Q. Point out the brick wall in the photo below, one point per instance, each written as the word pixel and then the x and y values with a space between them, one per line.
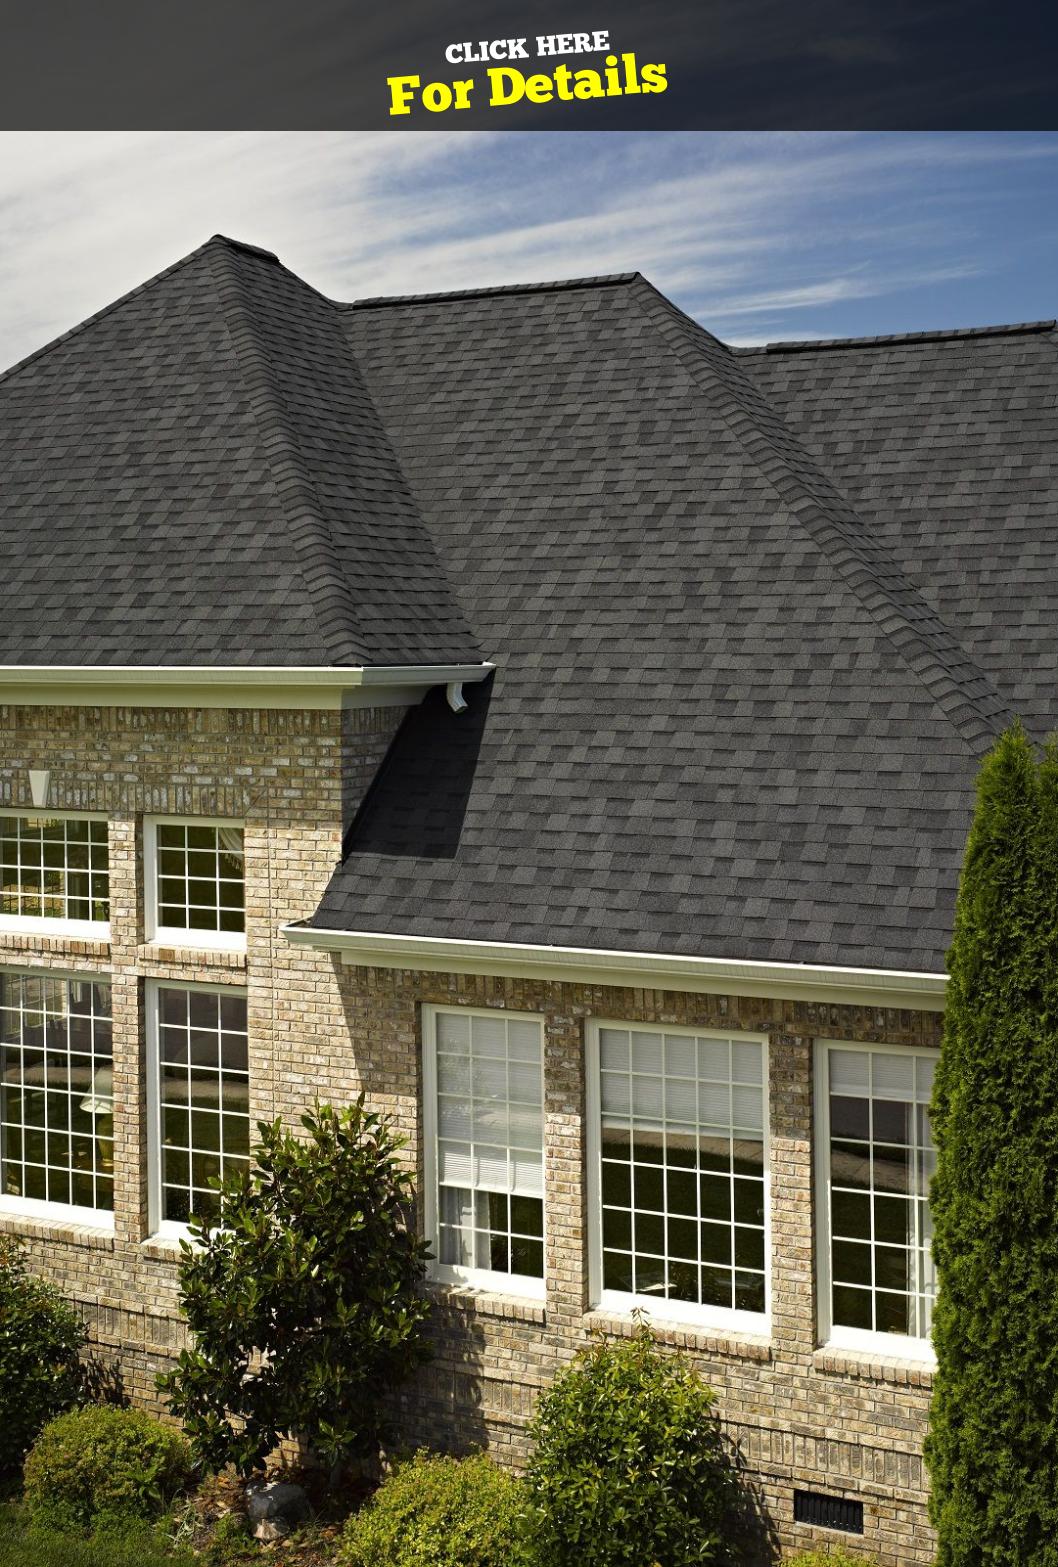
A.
pixel 283 774
pixel 801 1417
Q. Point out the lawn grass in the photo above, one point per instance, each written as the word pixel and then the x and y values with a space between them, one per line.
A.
pixel 24 1547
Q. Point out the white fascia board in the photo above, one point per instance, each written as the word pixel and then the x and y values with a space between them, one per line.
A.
pixel 230 685
pixel 639 970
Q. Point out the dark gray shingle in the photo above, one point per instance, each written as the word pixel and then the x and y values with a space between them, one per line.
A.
pixel 197 476
pixel 730 718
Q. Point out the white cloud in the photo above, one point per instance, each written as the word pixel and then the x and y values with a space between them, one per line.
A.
pixel 731 225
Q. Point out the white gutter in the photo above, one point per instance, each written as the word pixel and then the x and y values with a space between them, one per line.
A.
pixel 881 988
pixel 228 685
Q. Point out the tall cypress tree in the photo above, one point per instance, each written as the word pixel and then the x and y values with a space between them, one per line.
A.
pixel 992 1446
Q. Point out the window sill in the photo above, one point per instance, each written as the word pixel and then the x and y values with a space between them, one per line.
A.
pixel 865 1366
pixel 163 1248
pixel 31 1226
pixel 90 943
pixel 168 953
pixel 695 1336
pixel 487 1302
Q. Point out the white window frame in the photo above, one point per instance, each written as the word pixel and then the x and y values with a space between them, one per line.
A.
pixel 176 935
pixel 159 1228
pixel 26 924
pixel 35 1207
pixel 514 1284
pixel 899 1346
pixel 620 1302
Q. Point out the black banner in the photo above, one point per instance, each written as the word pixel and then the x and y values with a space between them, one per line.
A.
pixel 563 65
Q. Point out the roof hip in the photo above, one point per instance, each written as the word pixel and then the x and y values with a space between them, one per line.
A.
pixel 961 690
pixel 314 545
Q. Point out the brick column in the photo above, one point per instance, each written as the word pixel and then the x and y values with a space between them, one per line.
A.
pixel 259 843
pixel 130 1086
pixel 792 1229
pixel 565 1263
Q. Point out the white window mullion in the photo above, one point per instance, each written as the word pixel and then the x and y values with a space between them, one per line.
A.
pixel 483 1121
pixel 678 1173
pixel 184 863
pixel 196 1029
pixel 865 1087
pixel 26 851
pixel 70 1173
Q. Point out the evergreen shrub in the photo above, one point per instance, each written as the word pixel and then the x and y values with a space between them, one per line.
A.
pixel 303 1295
pixel 992 1446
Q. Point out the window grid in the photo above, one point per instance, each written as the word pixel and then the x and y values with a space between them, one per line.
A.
pixel 54 867
pixel 682 1168
pixel 203 1096
pixel 56 1091
pixel 881 1161
pixel 489 1144
pixel 200 877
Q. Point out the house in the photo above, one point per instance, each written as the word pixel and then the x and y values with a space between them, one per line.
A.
pixel 521 707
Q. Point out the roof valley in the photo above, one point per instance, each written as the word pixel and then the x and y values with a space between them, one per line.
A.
pixel 960 688
pixel 314 545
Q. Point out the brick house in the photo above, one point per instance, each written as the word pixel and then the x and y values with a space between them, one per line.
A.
pixel 521 707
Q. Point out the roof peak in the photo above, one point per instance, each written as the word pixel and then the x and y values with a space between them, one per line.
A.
pixel 245 246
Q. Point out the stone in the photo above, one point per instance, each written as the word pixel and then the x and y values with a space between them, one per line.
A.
pixel 274 1509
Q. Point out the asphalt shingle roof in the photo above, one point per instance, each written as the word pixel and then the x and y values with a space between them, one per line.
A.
pixel 749 640
pixel 756 614
pixel 197 476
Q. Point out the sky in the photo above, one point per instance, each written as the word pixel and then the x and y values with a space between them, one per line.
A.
pixel 761 236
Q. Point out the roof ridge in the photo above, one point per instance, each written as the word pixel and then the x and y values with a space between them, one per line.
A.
pixel 313 542
pixel 953 334
pixel 604 280
pixel 963 692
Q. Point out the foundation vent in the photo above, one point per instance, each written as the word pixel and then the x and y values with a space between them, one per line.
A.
pixel 828 1512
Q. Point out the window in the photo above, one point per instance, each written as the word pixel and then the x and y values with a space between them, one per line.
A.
pixel 876 1160
pixel 199 1096
pixel 196 883
pixel 54 872
pixel 484 1093
pixel 56 1096
pixel 678 1173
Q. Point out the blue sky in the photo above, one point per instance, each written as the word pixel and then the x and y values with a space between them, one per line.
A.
pixel 761 236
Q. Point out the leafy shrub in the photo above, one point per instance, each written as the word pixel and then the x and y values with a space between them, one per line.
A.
pixel 304 1295
pixel 992 1445
pixel 629 1466
pixel 103 1467
pixel 40 1339
pixel 440 1512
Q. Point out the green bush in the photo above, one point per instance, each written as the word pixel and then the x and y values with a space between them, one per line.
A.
pixel 992 1445
pixel 440 1512
pixel 630 1466
pixel 104 1467
pixel 40 1340
pixel 304 1295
